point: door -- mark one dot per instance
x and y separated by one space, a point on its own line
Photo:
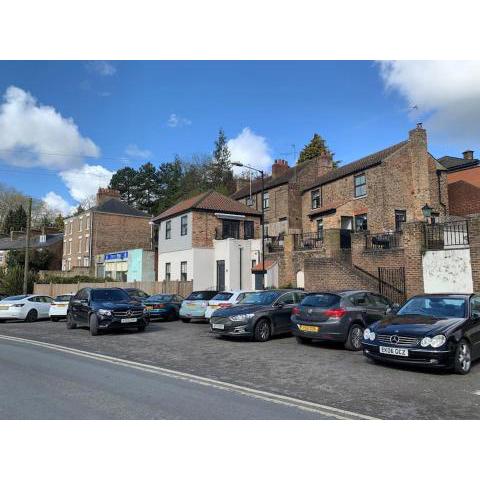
220 275
258 281
79 306
378 306
282 311
44 306
473 326
367 306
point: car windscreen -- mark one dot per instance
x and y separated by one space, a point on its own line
201 296
223 296
160 298
62 298
15 297
435 307
260 298
320 300
110 296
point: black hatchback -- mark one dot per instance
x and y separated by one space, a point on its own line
105 308
339 316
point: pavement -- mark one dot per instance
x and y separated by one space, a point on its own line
324 374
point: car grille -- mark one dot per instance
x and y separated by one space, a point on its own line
128 313
403 341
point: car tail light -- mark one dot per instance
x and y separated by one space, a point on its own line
224 305
335 312
295 311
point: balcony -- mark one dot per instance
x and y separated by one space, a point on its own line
308 241
447 235
383 241
275 244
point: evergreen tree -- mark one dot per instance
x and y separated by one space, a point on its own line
314 148
148 188
125 181
16 219
58 223
219 173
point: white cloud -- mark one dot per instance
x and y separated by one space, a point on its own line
175 120
446 93
84 182
37 135
134 151
101 67
250 149
57 203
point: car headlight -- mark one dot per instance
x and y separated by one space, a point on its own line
368 335
438 341
426 341
105 313
242 318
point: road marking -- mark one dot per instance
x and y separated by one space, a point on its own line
333 412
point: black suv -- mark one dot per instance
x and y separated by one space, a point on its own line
259 315
105 308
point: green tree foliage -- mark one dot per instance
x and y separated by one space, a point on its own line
11 281
148 188
313 149
125 181
16 219
59 223
219 173
37 260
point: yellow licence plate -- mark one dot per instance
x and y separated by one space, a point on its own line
308 328
149 307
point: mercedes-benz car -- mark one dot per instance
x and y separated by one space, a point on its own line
259 316
432 330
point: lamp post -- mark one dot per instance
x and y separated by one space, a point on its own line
261 172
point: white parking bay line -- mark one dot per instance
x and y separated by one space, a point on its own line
326 410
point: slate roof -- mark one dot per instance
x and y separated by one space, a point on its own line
19 243
208 201
357 166
454 163
114 205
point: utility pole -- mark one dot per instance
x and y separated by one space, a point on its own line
27 247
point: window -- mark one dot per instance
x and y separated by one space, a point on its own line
183 271
248 227
254 262
80 224
360 182
320 228
168 267
87 222
183 225
379 301
321 300
434 218
475 307
400 219
87 244
359 299
70 247
265 229
86 262
287 299
69 264
64 265
316 199
250 201
230 229
361 222
266 200
168 230
79 244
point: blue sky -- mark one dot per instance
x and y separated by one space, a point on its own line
104 115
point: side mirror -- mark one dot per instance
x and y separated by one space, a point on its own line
393 309
279 305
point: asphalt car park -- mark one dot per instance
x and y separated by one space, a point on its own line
321 372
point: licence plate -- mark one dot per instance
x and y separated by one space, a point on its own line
218 326
308 328
149 307
399 352
129 320
3 307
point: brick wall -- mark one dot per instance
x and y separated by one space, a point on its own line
474 239
464 198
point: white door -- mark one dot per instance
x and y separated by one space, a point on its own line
300 279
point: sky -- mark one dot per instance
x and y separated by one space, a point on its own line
67 126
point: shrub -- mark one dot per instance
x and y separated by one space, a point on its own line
11 281
75 279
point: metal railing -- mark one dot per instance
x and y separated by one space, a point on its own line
275 244
446 235
308 241
383 241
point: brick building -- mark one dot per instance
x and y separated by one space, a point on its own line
207 239
111 225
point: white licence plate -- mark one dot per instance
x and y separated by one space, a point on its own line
218 326
399 352
129 320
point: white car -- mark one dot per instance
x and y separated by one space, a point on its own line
224 300
58 308
25 307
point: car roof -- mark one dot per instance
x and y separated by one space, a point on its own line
453 295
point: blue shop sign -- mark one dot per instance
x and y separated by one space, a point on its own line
116 256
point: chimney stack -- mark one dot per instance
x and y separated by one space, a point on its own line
418 134
468 155
279 167
105 194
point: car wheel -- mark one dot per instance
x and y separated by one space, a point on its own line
354 338
53 319
463 358
263 331
172 316
303 340
32 316
70 323
185 320
93 325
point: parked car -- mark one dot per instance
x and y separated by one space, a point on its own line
163 306
225 299
58 308
137 294
434 330
260 315
25 307
195 305
339 316
105 308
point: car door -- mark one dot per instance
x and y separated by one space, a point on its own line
361 303
44 306
473 325
378 306
77 306
282 311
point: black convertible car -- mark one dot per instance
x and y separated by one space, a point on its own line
436 330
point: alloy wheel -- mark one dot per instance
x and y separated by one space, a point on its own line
464 357
357 334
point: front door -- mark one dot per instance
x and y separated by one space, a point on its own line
258 281
220 275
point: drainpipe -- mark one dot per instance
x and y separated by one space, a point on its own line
444 206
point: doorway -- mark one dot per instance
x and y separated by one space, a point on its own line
220 275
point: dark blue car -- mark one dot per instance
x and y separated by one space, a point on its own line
163 306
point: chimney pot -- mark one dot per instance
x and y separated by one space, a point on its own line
468 155
279 167
105 194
